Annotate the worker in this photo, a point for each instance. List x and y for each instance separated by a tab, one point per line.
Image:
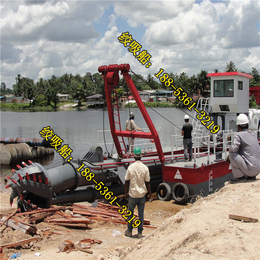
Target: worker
137	184
131	126
258	129
187	138
244	152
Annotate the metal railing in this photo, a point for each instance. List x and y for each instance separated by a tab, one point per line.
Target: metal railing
146	145
223	140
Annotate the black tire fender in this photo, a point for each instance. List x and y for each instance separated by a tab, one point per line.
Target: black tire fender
163	192
180	193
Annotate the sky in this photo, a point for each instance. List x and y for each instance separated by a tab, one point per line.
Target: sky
42	38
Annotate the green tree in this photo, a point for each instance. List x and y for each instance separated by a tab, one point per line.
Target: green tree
41	87
40	101
54	87
194	84
203	81
97	79
230	67
4	90
120	92
88	85
252	102
255	81
138	81
151	82
29	88
17	88
79	93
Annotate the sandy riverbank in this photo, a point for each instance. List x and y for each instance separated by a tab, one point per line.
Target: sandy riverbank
156	212
200	231
204	231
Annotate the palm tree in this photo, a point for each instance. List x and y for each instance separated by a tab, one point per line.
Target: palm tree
230	67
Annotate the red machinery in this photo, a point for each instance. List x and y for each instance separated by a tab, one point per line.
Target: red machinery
111	78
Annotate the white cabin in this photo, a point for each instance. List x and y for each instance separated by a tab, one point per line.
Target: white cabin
229	96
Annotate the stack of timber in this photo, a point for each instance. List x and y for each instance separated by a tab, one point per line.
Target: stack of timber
103	212
77	216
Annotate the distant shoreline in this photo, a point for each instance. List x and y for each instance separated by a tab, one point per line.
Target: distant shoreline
72	107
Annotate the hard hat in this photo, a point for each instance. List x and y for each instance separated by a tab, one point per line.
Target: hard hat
137	152
131	114
242	119
186	117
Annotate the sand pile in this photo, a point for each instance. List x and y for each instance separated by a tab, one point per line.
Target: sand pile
204	231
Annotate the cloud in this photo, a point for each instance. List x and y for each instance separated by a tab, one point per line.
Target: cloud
66	30
10	53
42	38
54	21
238	29
146	13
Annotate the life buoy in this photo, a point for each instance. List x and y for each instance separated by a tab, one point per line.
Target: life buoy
163	192
180	193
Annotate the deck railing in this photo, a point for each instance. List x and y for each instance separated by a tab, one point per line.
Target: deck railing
223	139
146	145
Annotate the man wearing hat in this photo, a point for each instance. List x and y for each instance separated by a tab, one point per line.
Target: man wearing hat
137	184
187	140
131	126
244	153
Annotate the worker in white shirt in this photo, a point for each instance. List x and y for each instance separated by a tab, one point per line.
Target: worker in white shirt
131	126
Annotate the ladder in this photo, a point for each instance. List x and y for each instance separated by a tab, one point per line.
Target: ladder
118	123
198	128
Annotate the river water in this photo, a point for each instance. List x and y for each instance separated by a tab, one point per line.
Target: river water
79	129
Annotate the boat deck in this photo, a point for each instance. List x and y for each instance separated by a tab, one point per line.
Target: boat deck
190	164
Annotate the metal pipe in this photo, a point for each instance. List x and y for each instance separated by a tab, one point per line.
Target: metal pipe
29	141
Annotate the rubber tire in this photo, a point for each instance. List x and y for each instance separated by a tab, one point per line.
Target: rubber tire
180	193
166	190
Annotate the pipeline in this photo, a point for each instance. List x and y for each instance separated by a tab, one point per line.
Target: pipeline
17	152
30	141
37	187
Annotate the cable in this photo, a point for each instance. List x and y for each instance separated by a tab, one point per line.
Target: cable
104	136
167	100
164	117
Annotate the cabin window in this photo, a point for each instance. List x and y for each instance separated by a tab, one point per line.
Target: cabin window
224	108
224	88
240	85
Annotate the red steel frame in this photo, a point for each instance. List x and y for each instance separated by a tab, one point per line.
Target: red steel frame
111	78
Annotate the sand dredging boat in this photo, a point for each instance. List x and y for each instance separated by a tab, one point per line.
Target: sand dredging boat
171	176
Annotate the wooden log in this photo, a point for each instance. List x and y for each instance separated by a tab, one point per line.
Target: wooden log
90	240
20	242
90	212
100	204
242	218
25	223
66	246
106	210
16	224
85	250
39	216
71	221
72	225
101	214
9	217
42	210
